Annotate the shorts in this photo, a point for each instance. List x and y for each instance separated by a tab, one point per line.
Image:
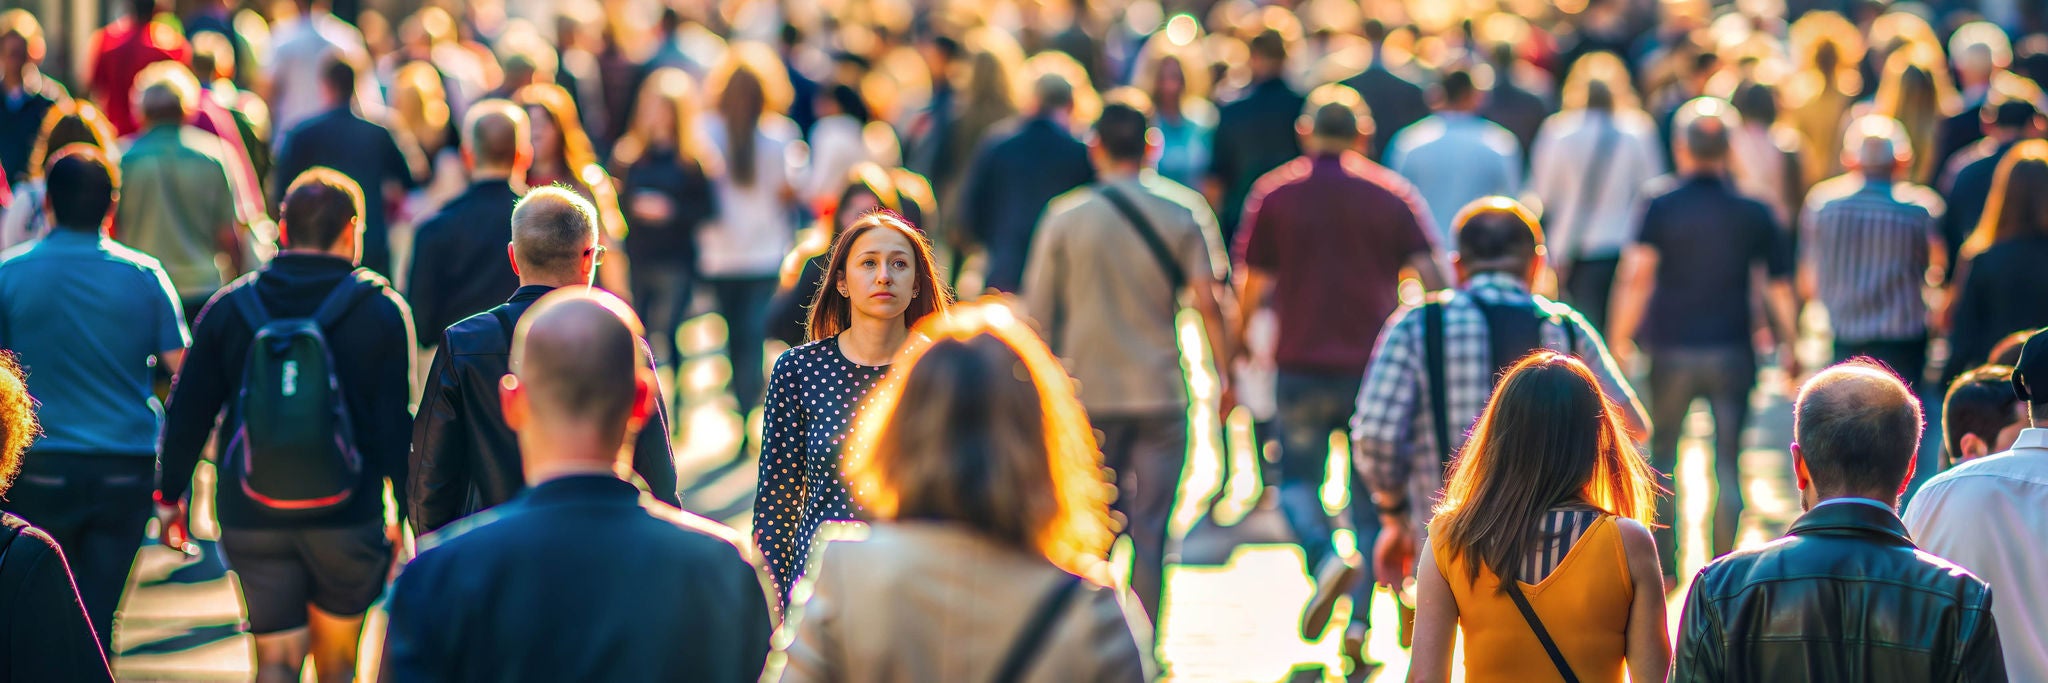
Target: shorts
341	571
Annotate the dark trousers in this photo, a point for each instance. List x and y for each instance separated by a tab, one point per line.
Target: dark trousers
1588	287
95	506
743	302
1907	357
661	291
1147	453
1724	377
1310	408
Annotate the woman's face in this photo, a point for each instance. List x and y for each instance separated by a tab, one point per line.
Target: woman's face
856	206
1172	84
658	121
880	277
547	138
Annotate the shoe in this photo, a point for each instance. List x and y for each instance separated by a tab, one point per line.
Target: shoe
1354	653
1334	579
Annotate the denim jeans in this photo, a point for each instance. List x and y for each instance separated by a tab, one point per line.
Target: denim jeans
1147	453
1310	408
743	302
1724	377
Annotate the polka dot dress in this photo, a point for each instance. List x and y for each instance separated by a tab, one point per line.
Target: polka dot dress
812	398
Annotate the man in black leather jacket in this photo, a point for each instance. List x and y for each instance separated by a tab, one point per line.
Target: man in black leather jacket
1845	596
464	458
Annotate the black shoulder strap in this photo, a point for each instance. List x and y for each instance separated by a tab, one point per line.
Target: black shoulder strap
1024	650
351	290
505	324
250	304
1433	360
1596	176
1542	634
1174	274
1513	330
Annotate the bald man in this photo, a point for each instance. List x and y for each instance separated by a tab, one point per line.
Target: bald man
457	266
1844	595
574	580
464	455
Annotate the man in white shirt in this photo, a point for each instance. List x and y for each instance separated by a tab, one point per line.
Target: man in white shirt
1454	156
302	47
1990	516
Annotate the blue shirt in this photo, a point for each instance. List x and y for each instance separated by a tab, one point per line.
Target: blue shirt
85	314
1454	158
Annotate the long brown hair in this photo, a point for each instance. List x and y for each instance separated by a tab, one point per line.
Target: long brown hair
672	88
2018	203
977	424
578	156
1548	438
832	312
749	85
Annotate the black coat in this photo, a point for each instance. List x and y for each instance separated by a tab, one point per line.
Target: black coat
1844	597
464	458
574	581
459	264
1395	103
47	635
1014	177
364	151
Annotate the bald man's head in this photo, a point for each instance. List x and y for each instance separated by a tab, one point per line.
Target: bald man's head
576	356
1858	428
494	136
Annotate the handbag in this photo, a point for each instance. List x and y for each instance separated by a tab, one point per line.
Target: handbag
1024	650
1542	634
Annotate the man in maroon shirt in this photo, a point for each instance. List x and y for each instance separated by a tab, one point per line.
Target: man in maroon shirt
121	50
1328	235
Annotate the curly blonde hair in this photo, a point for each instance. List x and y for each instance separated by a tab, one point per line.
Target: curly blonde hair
18	426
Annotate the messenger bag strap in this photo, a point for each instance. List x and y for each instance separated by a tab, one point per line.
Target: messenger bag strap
1542	634
1024	651
1153	242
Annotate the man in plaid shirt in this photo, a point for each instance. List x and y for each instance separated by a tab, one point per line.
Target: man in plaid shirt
1393	431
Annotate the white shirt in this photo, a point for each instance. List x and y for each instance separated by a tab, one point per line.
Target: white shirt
836	147
1454	158
1990	516
302	48
1598	225
755	226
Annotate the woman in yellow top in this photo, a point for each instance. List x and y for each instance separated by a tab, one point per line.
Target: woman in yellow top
1548	490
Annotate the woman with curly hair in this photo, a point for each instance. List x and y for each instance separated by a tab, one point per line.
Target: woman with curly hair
49	638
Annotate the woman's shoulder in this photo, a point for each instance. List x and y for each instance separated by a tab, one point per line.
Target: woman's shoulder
806	356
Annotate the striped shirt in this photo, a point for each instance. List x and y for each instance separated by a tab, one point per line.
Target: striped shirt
1867	245
1559	530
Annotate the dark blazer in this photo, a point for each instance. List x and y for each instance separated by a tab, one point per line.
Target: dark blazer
44	634
1013	178
1254	135
464	458
1845	596
1396	103
2000	291
1956	134
459	265
365	152
575	581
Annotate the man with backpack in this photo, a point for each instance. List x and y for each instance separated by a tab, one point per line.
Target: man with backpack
1438	362
307	365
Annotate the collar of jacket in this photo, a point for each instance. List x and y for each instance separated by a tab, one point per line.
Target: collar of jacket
582	488
1860	519
529	293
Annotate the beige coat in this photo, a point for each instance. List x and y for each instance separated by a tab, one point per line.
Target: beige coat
935	603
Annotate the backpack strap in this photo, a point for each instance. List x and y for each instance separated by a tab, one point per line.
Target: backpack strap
246	300
1433	362
346	295
1024	650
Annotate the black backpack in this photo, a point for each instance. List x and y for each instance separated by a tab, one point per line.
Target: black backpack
1513	331
296	449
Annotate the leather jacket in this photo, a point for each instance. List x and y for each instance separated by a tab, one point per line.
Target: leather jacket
464	458
1845	596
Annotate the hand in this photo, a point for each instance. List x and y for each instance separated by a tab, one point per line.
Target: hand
172	529
650	207
1624	352
1393	556
1795	371
1226	400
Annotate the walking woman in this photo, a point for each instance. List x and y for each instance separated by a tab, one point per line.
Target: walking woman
66	123
48	635
665	185
879	283
985	562
562	154
1548	493
865	188
1999	288
741	251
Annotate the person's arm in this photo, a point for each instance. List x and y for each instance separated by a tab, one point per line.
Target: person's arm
172	337
1632	291
415	637
810	631
779	507
1045	278
654	455
1208	265
422	282
1222	161
1808	278
1700	656
1382	438
1250	293
50	635
1613	382
1649	641
391	397
438	481
199	391
1983	657
1436	622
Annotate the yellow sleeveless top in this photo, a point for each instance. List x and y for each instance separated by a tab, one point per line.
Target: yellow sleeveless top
1584	604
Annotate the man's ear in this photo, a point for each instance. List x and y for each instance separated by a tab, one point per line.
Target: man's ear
1799	473
646	391
512	399
1971	448
513	256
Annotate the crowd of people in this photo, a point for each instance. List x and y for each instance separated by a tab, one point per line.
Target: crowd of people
444	258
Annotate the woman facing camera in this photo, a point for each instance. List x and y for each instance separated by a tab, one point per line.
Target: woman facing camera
1544	516
879	282
976	462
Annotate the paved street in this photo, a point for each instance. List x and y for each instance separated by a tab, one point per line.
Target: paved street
1232	605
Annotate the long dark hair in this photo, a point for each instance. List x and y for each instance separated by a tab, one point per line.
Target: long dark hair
832	312
748	86
2018	203
1549	437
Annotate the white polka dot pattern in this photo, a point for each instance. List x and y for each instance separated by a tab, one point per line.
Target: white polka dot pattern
813	396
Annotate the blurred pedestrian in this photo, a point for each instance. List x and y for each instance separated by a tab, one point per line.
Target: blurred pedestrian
2011	113
1255	132
1395	101
177	202
604	602
1916	92
1454	156
1587	169
1686	286
26	94
1549	472
1016	174
459	266
1768	159
976	462
1978	52
837	143
868	187
69	122
1111	267
740	253
1186	121
424	120
295	73
122	49
1999	283
1980	416
1856	432
1869	250
49	636
881	281
1826	52
303	471
365	151
90	319
665	184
